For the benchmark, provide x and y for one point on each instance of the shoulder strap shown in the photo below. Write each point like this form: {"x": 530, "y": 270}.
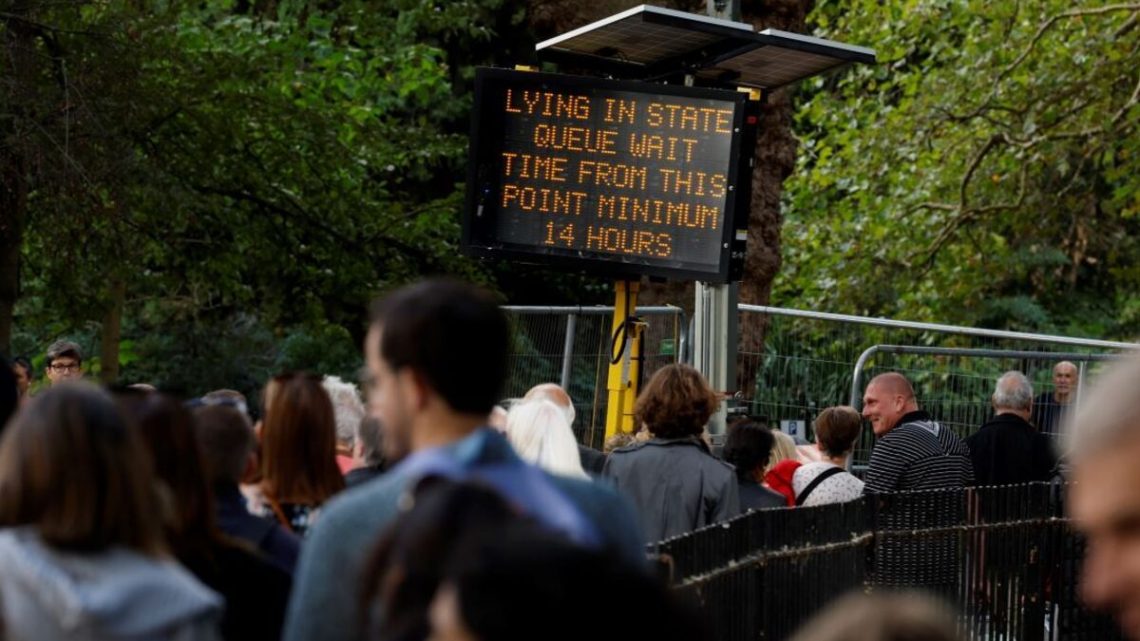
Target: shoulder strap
{"x": 823, "y": 476}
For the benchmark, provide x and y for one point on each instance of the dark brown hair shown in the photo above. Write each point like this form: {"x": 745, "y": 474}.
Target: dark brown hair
{"x": 748, "y": 446}
{"x": 836, "y": 429}
{"x": 676, "y": 403}
{"x": 227, "y": 441}
{"x": 167, "y": 430}
{"x": 451, "y": 333}
{"x": 298, "y": 442}
{"x": 71, "y": 467}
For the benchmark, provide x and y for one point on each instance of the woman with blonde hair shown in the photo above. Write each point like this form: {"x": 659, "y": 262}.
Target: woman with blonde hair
{"x": 783, "y": 450}
{"x": 540, "y": 434}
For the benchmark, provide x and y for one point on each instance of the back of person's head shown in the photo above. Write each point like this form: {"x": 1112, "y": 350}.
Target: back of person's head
{"x": 523, "y": 583}
{"x": 25, "y": 364}
{"x": 882, "y": 617}
{"x": 411, "y": 556}
{"x": 348, "y": 409}
{"x": 783, "y": 449}
{"x": 167, "y": 430}
{"x": 837, "y": 429}
{"x": 227, "y": 440}
{"x": 1013, "y": 391}
{"x": 72, "y": 467}
{"x": 554, "y": 393}
{"x": 230, "y": 397}
{"x": 540, "y": 434}
{"x": 621, "y": 439}
{"x": 453, "y": 335}
{"x": 369, "y": 439}
{"x": 298, "y": 442}
{"x": 677, "y": 402}
{"x": 748, "y": 446}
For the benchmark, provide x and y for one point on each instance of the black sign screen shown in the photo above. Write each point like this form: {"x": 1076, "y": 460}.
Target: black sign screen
{"x": 626, "y": 178}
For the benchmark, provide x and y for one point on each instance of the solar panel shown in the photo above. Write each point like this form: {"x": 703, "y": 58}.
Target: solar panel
{"x": 648, "y": 41}
{"x": 646, "y": 37}
{"x": 781, "y": 58}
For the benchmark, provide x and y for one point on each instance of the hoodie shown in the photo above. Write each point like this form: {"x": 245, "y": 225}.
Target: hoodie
{"x": 117, "y": 594}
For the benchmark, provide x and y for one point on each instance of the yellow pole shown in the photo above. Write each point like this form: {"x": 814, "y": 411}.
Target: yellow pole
{"x": 626, "y": 365}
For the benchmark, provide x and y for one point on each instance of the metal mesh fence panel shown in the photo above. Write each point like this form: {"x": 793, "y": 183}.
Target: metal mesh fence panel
{"x": 573, "y": 346}
{"x": 807, "y": 364}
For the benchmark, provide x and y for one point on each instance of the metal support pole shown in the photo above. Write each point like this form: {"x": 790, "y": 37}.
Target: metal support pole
{"x": 625, "y": 366}
{"x": 715, "y": 342}
{"x": 568, "y": 351}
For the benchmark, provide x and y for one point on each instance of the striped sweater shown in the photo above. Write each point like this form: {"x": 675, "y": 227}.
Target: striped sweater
{"x": 918, "y": 454}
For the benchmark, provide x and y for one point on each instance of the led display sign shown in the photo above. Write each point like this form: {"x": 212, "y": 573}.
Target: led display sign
{"x": 622, "y": 178}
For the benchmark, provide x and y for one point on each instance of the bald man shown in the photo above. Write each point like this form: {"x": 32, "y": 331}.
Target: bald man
{"x": 592, "y": 460}
{"x": 913, "y": 452}
{"x": 1049, "y": 408}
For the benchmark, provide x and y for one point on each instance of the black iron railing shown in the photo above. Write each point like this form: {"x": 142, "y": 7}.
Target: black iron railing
{"x": 1004, "y": 556}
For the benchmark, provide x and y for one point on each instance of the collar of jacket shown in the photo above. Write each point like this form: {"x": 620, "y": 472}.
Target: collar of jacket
{"x": 1008, "y": 418}
{"x": 684, "y": 440}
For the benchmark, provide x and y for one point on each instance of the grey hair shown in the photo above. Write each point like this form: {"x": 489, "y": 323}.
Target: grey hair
{"x": 370, "y": 438}
{"x": 1108, "y": 412}
{"x": 1013, "y": 392}
{"x": 347, "y": 407}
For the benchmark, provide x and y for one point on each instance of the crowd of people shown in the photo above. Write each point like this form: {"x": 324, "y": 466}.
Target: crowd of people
{"x": 425, "y": 507}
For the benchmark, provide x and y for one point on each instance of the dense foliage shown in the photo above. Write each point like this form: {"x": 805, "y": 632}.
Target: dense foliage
{"x": 205, "y": 193}
{"x": 985, "y": 172}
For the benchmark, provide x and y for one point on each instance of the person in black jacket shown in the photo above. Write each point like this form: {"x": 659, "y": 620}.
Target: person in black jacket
{"x": 748, "y": 446}
{"x": 1008, "y": 449}
{"x": 675, "y": 483}
{"x": 256, "y": 591}
{"x": 228, "y": 443}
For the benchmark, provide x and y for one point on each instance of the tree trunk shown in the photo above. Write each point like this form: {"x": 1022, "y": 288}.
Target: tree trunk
{"x": 112, "y": 333}
{"x": 775, "y": 161}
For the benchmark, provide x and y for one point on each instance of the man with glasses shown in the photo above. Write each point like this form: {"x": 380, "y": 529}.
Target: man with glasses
{"x": 64, "y": 362}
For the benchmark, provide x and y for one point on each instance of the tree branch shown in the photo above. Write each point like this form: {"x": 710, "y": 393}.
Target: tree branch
{"x": 1048, "y": 24}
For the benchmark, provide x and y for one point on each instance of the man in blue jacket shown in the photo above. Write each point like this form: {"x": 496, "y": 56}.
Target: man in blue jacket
{"x": 436, "y": 356}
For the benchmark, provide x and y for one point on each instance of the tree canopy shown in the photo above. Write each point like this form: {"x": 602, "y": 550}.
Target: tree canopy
{"x": 983, "y": 173}
{"x": 231, "y": 181}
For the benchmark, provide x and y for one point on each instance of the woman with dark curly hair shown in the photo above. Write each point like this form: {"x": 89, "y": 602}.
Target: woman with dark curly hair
{"x": 673, "y": 480}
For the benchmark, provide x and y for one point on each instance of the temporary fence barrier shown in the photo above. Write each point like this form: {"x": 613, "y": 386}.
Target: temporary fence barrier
{"x": 801, "y": 361}
{"x": 572, "y": 346}
{"x": 1003, "y": 556}
{"x": 807, "y": 360}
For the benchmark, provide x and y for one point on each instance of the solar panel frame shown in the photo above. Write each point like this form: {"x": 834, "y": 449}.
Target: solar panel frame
{"x": 646, "y": 42}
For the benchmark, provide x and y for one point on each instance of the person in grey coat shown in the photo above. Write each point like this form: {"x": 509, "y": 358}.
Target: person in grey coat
{"x": 82, "y": 552}
{"x": 674, "y": 481}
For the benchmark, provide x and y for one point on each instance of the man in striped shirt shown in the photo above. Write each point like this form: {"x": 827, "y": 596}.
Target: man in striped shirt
{"x": 913, "y": 451}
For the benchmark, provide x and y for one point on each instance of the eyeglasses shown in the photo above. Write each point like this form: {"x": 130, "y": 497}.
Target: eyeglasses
{"x": 60, "y": 368}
